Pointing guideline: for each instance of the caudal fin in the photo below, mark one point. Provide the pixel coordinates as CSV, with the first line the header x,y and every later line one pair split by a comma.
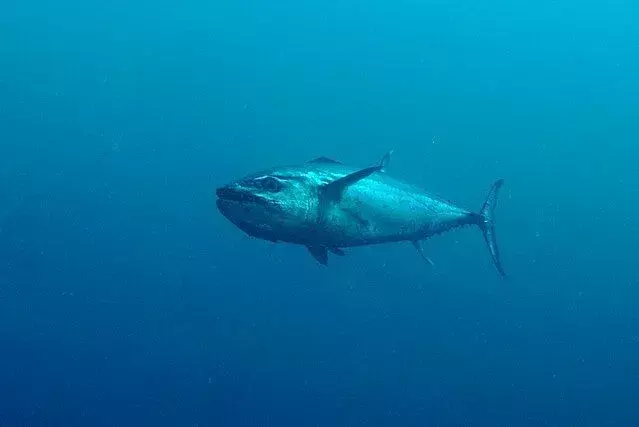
x,y
487,224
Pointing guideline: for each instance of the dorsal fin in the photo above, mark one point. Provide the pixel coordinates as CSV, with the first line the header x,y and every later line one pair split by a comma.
x,y
323,159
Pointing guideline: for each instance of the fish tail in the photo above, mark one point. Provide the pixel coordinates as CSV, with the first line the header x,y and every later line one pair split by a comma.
x,y
487,224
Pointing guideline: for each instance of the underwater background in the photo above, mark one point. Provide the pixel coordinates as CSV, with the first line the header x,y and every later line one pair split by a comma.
x,y
126,299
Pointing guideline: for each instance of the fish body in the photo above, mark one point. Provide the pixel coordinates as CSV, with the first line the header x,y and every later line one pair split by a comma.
x,y
326,206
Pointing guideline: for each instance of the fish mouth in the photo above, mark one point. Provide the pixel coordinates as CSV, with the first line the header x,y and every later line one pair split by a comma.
x,y
233,195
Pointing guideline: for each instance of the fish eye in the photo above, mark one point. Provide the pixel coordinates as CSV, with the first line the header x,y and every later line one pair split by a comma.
x,y
271,184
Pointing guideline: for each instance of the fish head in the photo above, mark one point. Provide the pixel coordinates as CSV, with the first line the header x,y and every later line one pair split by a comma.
x,y
274,205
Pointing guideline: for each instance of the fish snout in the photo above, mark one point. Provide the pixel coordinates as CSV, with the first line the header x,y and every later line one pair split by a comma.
x,y
225,202
219,192
229,192
233,193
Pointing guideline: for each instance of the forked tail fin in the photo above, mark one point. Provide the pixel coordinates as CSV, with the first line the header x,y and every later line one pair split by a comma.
x,y
487,224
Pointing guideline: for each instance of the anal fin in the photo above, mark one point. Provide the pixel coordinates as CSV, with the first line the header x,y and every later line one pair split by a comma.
x,y
420,250
337,251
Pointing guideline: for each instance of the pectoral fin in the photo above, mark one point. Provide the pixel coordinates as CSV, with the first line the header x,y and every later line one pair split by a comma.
x,y
332,192
420,250
319,253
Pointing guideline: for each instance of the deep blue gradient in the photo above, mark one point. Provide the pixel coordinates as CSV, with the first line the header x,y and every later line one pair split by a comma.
x,y
126,299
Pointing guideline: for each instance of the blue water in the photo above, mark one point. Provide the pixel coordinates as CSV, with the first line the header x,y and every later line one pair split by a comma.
x,y
126,299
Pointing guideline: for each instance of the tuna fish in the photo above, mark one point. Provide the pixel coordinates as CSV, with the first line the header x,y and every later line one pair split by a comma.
x,y
328,206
